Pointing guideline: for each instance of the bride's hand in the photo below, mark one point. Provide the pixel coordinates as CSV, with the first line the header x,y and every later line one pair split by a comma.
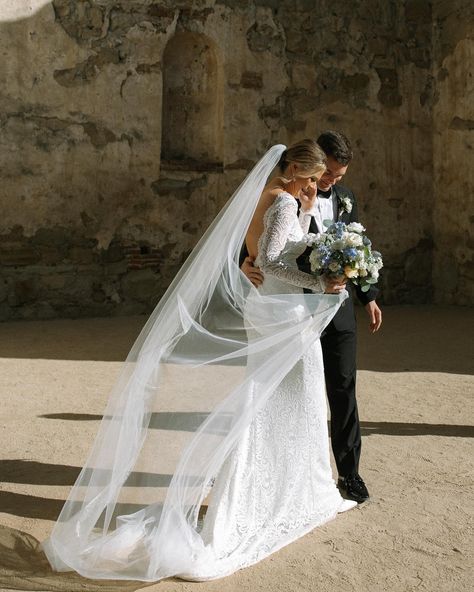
x,y
307,196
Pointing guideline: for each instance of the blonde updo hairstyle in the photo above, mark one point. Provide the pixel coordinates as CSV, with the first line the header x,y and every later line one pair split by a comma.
x,y
307,155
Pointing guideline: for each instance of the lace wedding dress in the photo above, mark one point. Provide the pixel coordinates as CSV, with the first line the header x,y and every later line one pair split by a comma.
x,y
277,484
224,384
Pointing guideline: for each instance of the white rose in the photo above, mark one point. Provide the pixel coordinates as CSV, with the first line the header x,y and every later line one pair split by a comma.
x,y
355,227
338,245
353,239
334,266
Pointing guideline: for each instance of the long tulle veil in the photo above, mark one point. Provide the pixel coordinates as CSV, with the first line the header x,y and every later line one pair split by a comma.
x,y
207,360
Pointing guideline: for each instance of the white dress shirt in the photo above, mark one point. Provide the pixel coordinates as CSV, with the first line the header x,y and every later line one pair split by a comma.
x,y
325,208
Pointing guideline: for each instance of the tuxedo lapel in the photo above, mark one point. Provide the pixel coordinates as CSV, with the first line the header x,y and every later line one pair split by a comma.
x,y
340,211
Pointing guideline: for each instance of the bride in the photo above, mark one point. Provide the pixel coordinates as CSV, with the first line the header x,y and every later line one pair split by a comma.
x,y
213,451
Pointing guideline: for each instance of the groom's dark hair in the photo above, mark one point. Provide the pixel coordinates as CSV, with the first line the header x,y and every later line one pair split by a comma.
x,y
336,145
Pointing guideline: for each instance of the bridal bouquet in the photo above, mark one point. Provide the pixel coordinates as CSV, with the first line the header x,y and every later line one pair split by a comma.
x,y
345,250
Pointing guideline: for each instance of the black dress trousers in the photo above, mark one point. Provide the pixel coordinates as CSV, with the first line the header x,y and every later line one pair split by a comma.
x,y
339,355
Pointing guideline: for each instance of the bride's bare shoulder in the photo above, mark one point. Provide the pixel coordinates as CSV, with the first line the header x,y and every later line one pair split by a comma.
x,y
272,190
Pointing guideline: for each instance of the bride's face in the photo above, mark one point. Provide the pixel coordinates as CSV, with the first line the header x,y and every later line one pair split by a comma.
x,y
304,183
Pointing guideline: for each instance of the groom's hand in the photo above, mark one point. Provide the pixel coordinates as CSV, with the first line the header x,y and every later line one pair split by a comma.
x,y
252,272
334,284
336,280
375,315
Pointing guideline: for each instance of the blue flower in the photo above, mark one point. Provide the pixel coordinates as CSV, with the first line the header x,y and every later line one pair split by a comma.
x,y
350,253
337,228
326,260
322,250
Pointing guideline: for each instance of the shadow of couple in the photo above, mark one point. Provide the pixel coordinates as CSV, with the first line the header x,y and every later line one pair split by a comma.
x,y
23,566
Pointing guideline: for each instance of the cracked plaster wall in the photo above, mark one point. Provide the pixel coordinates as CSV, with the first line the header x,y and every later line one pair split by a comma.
x,y
453,117
94,223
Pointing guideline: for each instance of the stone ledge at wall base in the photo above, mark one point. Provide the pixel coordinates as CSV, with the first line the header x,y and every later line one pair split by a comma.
x,y
138,292
59,272
41,310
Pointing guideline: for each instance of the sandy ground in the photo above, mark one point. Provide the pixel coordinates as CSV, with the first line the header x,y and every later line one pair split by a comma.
x,y
415,391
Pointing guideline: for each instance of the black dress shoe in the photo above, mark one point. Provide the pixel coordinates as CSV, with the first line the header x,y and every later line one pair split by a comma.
x,y
354,488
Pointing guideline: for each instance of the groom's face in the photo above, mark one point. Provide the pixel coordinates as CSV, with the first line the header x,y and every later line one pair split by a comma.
x,y
333,174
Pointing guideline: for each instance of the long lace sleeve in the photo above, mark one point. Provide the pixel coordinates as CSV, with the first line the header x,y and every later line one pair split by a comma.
x,y
277,224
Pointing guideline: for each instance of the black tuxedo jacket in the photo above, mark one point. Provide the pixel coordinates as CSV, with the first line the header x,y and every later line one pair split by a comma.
x,y
344,319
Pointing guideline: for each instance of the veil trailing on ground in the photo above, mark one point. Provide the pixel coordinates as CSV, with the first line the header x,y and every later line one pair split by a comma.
x,y
207,360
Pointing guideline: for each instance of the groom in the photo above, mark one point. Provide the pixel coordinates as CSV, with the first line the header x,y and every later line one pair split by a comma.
x,y
338,340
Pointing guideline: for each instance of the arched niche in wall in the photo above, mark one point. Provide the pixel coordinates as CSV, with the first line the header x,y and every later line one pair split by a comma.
x,y
192,117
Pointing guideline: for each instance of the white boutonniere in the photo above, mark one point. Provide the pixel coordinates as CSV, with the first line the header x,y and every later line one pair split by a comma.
x,y
345,204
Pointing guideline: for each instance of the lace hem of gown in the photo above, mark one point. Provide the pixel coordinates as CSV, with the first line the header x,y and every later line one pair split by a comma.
x,y
229,567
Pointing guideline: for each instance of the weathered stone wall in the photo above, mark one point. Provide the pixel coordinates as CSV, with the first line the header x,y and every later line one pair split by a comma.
x,y
100,209
453,117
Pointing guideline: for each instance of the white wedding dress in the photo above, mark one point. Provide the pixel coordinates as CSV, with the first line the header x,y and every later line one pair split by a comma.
x,y
277,483
224,385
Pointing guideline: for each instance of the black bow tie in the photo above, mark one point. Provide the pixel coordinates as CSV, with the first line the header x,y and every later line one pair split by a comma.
x,y
325,194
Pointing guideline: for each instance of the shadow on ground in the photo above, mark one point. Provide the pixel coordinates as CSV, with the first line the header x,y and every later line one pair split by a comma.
x,y
190,421
23,566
